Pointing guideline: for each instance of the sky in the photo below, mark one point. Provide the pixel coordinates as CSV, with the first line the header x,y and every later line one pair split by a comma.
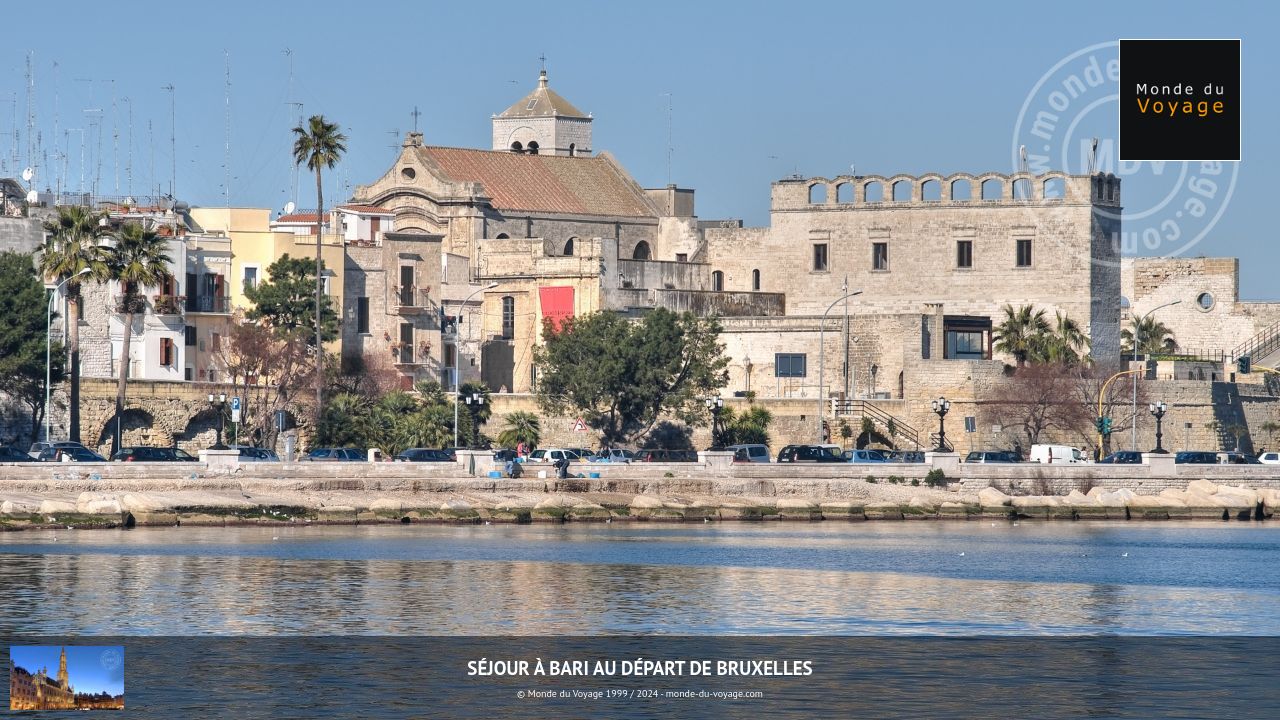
x,y
91,669
742,94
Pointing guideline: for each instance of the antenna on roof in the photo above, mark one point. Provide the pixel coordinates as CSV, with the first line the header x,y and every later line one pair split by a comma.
x,y
395,137
415,115
1093,156
669,149
543,59
1022,158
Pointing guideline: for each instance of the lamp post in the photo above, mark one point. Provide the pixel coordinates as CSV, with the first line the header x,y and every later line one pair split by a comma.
x,y
457,386
1137,343
475,400
48,344
715,405
1158,410
941,406
822,356
218,402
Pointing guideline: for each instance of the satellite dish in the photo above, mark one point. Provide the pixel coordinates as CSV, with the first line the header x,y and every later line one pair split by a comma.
x,y
289,207
130,201
27,174
33,197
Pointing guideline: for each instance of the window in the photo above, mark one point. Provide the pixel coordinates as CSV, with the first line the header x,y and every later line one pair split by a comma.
x,y
820,257
508,317
717,281
1024,253
964,253
362,314
532,147
168,353
641,252
755,280
573,149
879,256
189,336
789,365
189,374
250,278
406,342
966,338
568,246
215,342
406,286
682,257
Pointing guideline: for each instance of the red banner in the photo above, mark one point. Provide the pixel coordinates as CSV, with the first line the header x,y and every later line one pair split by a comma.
x,y
557,304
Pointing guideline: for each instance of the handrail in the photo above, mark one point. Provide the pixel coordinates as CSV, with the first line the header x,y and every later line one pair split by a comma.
x,y
849,407
1268,338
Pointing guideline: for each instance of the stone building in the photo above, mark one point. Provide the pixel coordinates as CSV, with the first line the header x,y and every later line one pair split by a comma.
x,y
39,691
543,123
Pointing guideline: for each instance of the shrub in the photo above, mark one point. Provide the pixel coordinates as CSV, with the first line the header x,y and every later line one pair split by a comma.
x,y
935,478
896,479
871,479
915,482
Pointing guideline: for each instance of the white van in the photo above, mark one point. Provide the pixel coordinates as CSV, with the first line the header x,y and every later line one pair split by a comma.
x,y
1056,455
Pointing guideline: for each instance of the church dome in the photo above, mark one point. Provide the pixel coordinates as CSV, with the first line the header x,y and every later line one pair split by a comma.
x,y
542,102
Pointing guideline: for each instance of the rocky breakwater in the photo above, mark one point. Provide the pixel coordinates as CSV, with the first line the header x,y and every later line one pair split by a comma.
x,y
1202,500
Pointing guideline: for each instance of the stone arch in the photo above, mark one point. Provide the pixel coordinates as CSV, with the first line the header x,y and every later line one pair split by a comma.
x,y
873,190
902,189
844,193
931,189
1021,188
817,193
200,431
517,147
532,147
573,149
1053,187
499,236
641,251
568,247
960,188
137,427
991,188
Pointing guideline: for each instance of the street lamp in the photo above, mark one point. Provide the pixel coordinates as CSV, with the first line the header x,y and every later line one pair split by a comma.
x,y
457,386
218,402
941,406
1158,410
48,343
822,356
716,405
475,400
1137,343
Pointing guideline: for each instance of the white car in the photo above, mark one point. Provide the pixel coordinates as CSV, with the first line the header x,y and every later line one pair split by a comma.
x,y
552,455
1269,458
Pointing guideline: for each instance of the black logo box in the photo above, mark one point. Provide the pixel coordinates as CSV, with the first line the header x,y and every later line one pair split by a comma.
x,y
1187,68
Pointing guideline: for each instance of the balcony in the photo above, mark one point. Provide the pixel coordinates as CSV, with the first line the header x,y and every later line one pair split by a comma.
x,y
410,300
208,304
132,303
404,355
169,304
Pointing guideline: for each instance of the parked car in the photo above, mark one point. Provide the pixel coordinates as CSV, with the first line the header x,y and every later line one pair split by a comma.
x,y
809,454
70,454
38,449
1269,458
8,454
992,456
613,455
864,456
666,456
248,453
425,455
1196,457
1235,458
142,453
1123,457
750,452
1056,455
505,455
906,456
337,454
553,454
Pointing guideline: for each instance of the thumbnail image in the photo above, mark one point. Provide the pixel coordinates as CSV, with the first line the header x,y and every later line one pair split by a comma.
x,y
88,677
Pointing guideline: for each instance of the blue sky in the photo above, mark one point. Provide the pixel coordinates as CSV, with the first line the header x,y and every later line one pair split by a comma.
x,y
758,90
86,669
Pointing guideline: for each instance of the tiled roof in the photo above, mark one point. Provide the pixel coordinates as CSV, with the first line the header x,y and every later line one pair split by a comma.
x,y
366,209
544,183
298,218
542,102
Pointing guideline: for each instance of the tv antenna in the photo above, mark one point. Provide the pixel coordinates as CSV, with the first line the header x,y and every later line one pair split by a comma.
x,y
173,140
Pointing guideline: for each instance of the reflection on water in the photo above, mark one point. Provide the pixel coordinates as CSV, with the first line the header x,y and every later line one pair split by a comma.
x,y
743,579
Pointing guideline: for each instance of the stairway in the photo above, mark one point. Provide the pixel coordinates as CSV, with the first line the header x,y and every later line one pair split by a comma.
x,y
1261,348
881,419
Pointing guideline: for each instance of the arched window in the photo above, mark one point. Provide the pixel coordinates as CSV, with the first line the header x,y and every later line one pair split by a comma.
x,y
818,193
873,192
641,252
573,150
717,281
517,147
1022,189
1054,189
992,189
568,246
755,280
931,191
844,193
508,317
961,190
533,147
902,191
503,236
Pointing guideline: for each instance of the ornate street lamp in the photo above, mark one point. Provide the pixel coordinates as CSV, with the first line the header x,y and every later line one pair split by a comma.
x,y
474,400
218,402
716,405
941,406
1157,410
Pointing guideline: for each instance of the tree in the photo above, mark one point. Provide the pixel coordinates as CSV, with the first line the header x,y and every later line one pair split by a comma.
x,y
1039,399
318,145
393,422
1270,427
1021,333
751,426
1121,399
477,414
284,302
522,427
623,376
1238,431
22,337
267,369
71,253
1154,337
138,260
1066,343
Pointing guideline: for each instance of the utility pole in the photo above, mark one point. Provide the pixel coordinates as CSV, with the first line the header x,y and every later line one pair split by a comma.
x,y
173,141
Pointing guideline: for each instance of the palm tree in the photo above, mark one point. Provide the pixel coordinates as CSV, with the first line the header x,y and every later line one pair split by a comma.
x,y
139,259
479,414
1022,332
521,427
1155,336
70,248
319,144
1270,427
1067,343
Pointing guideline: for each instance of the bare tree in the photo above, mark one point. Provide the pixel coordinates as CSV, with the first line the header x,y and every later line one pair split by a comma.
x,y
1040,400
1119,404
267,370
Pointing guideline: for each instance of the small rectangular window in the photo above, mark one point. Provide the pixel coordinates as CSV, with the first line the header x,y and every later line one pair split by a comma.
x,y
789,364
508,318
250,278
167,354
879,256
189,336
362,314
215,342
820,257
964,253
1024,253
682,257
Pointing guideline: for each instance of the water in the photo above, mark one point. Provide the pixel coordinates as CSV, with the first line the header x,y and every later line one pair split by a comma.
x,y
919,578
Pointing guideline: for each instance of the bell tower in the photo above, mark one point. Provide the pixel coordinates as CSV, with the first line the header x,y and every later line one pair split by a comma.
x,y
64,681
543,123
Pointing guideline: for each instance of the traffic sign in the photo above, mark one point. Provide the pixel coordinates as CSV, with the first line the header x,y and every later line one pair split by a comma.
x,y
579,426
235,409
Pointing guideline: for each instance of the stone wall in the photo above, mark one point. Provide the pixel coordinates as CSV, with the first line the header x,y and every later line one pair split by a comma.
x,y
20,234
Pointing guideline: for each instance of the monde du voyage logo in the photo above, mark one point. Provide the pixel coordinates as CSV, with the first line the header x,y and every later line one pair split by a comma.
x,y
1180,100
